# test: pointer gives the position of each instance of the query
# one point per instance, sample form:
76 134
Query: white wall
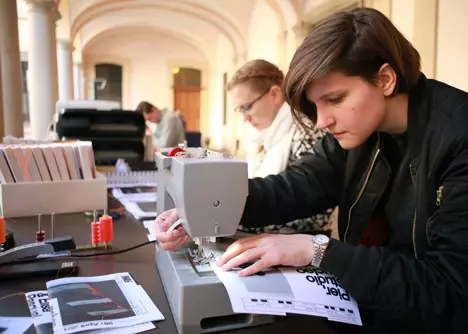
146 72
221 136
452 43
264 33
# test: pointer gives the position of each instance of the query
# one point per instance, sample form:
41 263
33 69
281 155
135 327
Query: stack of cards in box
49 162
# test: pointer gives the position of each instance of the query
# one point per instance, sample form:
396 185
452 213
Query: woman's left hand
268 250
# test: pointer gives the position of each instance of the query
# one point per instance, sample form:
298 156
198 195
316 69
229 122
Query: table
140 262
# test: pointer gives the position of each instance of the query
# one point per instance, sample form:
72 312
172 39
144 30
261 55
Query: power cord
79 255
113 252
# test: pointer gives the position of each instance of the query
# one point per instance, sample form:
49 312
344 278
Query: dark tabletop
139 262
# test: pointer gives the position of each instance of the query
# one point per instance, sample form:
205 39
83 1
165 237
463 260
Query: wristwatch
320 246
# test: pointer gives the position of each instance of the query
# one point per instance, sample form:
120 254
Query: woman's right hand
176 239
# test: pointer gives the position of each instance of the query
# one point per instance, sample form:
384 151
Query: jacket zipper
415 215
366 180
439 195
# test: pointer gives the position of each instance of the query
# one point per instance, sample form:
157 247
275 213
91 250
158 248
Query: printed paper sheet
92 303
278 291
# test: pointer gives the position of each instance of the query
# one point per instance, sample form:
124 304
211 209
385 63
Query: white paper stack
278 291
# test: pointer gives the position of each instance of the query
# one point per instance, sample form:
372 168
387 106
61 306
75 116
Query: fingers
256 267
174 236
247 256
239 247
164 221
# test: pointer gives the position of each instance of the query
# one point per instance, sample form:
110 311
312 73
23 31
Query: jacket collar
418 116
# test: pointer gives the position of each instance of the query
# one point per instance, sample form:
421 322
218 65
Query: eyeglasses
246 108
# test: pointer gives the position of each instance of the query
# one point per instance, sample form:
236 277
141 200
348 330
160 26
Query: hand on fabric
177 239
268 250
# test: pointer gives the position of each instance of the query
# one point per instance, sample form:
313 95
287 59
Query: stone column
283 62
65 69
77 82
41 99
11 76
54 17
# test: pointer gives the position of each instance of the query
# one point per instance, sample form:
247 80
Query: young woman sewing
396 162
256 90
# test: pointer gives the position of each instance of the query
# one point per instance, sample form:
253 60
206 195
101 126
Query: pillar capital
64 44
41 5
55 14
301 30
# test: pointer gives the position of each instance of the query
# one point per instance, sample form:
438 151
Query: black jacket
421 287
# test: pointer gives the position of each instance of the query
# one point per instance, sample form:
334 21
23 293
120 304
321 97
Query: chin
348 144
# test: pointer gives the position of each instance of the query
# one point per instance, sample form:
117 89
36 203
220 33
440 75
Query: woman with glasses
256 90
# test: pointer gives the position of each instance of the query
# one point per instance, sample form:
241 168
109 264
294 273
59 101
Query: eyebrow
332 94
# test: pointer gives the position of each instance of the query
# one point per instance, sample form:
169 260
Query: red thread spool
40 236
106 229
173 151
95 233
2 230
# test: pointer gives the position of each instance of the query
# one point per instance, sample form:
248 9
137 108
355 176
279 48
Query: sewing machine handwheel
173 151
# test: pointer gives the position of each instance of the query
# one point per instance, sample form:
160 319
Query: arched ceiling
193 21
145 33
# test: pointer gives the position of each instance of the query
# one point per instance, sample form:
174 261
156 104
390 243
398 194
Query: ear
387 79
276 92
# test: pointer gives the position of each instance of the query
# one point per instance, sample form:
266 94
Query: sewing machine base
199 301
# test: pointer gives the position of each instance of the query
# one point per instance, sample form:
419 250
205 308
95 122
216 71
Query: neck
396 115
280 104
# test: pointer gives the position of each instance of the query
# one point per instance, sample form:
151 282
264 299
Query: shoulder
303 141
449 101
449 120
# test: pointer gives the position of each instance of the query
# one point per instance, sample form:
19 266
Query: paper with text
94 303
278 291
42 317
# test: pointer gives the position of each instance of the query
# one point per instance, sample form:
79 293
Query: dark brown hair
259 74
145 107
356 43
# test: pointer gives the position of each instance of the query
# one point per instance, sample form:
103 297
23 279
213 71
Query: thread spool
95 230
95 234
106 228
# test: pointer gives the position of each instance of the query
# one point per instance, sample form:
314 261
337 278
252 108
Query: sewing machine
209 191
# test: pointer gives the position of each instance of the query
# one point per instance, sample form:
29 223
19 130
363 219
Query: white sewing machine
209 191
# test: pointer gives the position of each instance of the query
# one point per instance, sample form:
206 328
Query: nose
247 118
324 120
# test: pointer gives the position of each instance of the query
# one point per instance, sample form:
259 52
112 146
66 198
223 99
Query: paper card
256 294
308 291
94 303
320 293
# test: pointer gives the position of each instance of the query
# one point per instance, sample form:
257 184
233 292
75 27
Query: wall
452 43
222 136
263 35
146 71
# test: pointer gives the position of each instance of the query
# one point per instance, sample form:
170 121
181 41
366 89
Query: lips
338 135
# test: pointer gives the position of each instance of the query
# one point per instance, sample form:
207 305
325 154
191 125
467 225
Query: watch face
321 239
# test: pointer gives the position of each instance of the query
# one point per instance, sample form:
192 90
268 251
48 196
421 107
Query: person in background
184 123
256 90
169 130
